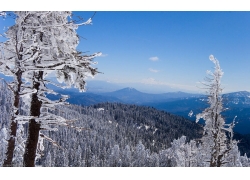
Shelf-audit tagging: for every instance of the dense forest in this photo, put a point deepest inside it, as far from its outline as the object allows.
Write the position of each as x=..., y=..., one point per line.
x=125, y=129
x=109, y=127
x=113, y=134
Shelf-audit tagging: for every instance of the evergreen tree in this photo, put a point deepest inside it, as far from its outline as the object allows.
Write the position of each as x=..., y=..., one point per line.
x=48, y=160
x=214, y=141
x=40, y=43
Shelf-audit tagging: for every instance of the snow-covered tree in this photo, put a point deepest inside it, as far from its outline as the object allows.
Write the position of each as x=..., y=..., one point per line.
x=115, y=160
x=65, y=159
x=126, y=157
x=3, y=143
x=10, y=57
x=48, y=160
x=38, y=44
x=245, y=162
x=140, y=155
x=182, y=153
x=215, y=144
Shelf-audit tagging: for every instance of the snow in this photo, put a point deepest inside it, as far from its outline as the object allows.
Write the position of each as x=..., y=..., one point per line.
x=155, y=130
x=190, y=113
x=4, y=133
x=215, y=146
x=100, y=109
x=2, y=13
x=38, y=44
x=50, y=46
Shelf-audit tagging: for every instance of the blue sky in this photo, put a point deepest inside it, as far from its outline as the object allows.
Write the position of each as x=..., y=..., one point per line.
x=162, y=51
x=179, y=42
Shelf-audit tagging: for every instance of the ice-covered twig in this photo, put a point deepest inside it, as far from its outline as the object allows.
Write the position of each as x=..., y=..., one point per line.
x=50, y=140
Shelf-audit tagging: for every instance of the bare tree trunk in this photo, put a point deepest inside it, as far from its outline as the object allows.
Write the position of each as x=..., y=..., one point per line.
x=13, y=127
x=11, y=145
x=34, y=128
x=31, y=146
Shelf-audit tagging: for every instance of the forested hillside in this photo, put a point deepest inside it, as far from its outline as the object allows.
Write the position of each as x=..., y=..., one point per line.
x=178, y=103
x=113, y=134
x=235, y=104
x=121, y=129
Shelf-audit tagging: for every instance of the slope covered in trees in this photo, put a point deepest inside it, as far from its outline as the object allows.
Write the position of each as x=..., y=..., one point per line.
x=127, y=130
x=118, y=128
x=235, y=104
x=116, y=135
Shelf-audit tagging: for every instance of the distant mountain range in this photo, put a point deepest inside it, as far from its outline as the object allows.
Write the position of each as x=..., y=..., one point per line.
x=235, y=104
x=179, y=103
x=131, y=95
x=125, y=95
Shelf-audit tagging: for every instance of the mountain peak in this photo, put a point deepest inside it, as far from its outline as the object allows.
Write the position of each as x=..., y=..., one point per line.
x=127, y=89
x=130, y=89
x=238, y=94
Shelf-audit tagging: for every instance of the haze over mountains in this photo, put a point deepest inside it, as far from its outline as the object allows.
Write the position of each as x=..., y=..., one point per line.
x=178, y=103
x=126, y=95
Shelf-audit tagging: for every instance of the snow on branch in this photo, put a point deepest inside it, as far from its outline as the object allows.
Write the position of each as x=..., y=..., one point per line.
x=50, y=140
x=3, y=13
x=40, y=43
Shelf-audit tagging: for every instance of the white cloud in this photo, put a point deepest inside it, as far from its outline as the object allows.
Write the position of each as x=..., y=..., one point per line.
x=155, y=58
x=149, y=81
x=152, y=81
x=153, y=70
x=104, y=55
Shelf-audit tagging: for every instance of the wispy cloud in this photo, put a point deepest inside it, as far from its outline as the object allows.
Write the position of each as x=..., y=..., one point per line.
x=149, y=81
x=104, y=55
x=153, y=70
x=152, y=81
x=155, y=58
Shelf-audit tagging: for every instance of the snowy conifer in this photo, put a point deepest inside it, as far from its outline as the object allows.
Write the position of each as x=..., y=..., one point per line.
x=115, y=159
x=140, y=155
x=214, y=140
x=126, y=157
x=48, y=160
x=38, y=44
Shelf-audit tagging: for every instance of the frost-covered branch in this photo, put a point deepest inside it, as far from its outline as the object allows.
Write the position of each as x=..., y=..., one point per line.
x=3, y=13
x=50, y=140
